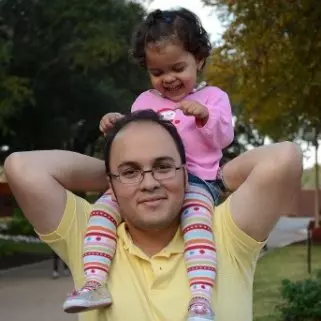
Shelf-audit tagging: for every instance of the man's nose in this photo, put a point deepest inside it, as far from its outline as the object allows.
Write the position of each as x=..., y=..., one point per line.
x=149, y=183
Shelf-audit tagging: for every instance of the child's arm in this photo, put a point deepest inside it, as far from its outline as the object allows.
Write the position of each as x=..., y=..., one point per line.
x=219, y=126
x=213, y=118
x=108, y=121
x=141, y=102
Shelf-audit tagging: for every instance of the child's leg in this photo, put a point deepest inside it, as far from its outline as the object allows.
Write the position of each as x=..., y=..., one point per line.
x=99, y=250
x=200, y=251
x=100, y=239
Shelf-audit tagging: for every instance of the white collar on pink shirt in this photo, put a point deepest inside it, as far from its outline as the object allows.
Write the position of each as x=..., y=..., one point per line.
x=199, y=87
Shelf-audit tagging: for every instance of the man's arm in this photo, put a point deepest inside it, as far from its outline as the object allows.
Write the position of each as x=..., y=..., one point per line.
x=267, y=181
x=39, y=180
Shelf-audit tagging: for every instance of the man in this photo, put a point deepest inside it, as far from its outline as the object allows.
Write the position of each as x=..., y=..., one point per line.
x=148, y=278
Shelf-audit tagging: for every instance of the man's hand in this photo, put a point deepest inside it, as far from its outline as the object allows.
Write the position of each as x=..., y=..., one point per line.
x=194, y=108
x=108, y=121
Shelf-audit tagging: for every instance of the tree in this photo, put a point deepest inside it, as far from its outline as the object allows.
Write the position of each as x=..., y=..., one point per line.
x=14, y=90
x=269, y=62
x=70, y=61
x=245, y=136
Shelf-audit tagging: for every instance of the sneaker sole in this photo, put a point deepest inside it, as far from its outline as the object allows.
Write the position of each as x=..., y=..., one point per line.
x=77, y=306
x=200, y=319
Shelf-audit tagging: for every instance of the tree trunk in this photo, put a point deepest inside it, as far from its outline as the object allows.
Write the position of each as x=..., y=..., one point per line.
x=317, y=187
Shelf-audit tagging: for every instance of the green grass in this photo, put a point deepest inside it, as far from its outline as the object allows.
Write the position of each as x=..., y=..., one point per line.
x=308, y=177
x=285, y=263
x=9, y=247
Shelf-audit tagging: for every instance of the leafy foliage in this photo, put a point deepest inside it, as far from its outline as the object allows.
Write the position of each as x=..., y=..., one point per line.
x=308, y=178
x=269, y=62
x=301, y=299
x=245, y=136
x=65, y=64
x=19, y=225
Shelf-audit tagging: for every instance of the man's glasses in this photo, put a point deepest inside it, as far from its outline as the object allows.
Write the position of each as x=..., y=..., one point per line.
x=136, y=176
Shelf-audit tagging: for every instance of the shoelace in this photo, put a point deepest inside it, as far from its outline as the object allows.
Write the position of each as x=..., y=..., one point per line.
x=88, y=286
x=199, y=306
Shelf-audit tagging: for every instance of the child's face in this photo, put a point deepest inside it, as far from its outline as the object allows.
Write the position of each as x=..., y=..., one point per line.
x=172, y=70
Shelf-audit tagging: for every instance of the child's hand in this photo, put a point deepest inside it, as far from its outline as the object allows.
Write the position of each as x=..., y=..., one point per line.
x=193, y=108
x=108, y=121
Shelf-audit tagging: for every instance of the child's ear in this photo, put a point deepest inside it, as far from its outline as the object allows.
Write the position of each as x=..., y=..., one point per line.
x=200, y=64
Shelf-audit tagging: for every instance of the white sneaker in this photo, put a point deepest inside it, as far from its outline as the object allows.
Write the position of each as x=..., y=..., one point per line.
x=200, y=310
x=91, y=296
x=55, y=275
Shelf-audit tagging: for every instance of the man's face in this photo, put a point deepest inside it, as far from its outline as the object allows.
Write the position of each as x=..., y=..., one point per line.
x=150, y=204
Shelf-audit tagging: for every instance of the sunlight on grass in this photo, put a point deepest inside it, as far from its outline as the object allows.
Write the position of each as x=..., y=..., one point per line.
x=285, y=263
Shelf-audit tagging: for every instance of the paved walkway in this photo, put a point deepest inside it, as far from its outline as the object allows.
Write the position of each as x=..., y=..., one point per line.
x=287, y=231
x=29, y=294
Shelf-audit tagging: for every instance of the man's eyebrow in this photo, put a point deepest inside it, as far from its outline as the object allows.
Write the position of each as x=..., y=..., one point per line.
x=128, y=163
x=137, y=164
x=164, y=158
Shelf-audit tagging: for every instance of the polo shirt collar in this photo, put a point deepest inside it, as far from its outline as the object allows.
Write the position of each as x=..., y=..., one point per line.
x=175, y=246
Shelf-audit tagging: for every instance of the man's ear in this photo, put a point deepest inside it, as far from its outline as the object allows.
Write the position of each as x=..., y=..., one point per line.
x=111, y=190
x=186, y=185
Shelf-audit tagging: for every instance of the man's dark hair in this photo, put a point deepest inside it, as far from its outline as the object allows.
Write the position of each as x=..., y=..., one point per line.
x=181, y=25
x=147, y=115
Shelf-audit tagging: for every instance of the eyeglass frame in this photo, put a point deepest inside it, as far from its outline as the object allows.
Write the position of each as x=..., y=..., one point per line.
x=142, y=175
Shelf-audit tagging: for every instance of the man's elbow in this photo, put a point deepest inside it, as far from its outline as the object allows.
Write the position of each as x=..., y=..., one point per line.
x=14, y=166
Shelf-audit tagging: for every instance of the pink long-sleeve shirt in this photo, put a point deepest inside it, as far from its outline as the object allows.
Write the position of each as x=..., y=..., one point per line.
x=203, y=145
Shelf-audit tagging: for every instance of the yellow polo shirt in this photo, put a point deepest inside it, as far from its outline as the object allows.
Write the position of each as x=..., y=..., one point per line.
x=156, y=288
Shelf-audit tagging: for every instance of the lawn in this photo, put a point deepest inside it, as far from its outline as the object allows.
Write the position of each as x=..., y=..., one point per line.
x=9, y=248
x=289, y=262
x=14, y=254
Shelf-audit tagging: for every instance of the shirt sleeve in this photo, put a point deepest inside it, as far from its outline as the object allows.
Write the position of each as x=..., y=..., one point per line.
x=242, y=249
x=67, y=239
x=218, y=130
x=141, y=102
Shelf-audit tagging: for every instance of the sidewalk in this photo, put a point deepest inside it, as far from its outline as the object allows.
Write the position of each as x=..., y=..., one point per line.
x=29, y=294
x=287, y=231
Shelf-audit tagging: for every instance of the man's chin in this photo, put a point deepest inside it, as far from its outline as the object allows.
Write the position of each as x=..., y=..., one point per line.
x=155, y=225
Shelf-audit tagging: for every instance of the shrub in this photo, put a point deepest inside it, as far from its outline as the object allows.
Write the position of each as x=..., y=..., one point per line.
x=19, y=225
x=5, y=249
x=301, y=300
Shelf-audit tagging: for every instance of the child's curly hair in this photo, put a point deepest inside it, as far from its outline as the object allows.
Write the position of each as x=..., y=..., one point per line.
x=181, y=25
